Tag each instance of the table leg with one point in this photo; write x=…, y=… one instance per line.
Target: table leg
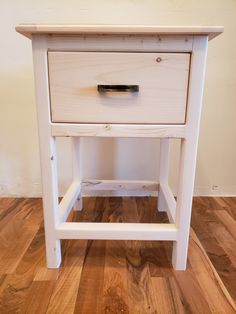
x=164, y=171
x=50, y=200
x=77, y=168
x=48, y=155
x=184, y=203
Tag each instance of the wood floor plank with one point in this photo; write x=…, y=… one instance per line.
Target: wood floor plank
x=231, y=201
x=209, y=230
x=89, y=294
x=206, y=203
x=91, y=283
x=218, y=298
x=3, y=282
x=156, y=253
x=147, y=211
x=191, y=294
x=118, y=276
x=93, y=209
x=65, y=290
x=222, y=201
x=8, y=208
x=232, y=211
x=37, y=298
x=225, y=239
x=141, y=296
x=6, y=203
x=223, y=264
x=140, y=291
x=229, y=204
x=158, y=256
x=13, y=296
x=228, y=222
x=46, y=274
x=167, y=296
x=200, y=219
x=14, y=242
x=114, y=298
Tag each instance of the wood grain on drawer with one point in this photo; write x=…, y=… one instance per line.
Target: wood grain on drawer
x=161, y=99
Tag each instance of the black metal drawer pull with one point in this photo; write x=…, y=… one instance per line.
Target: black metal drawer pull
x=118, y=88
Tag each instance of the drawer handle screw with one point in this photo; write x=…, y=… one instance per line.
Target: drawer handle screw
x=158, y=59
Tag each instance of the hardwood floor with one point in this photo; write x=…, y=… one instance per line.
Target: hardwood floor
x=118, y=276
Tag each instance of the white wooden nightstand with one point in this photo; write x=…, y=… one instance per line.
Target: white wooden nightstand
x=119, y=81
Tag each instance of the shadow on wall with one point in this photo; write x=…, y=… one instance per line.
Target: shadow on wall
x=127, y=159
x=19, y=161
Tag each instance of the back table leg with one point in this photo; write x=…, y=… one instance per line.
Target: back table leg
x=48, y=156
x=164, y=172
x=77, y=168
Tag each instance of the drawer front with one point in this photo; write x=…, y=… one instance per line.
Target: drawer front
x=156, y=91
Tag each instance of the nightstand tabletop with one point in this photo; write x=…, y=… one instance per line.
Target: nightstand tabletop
x=64, y=29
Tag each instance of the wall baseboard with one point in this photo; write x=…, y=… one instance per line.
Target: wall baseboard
x=224, y=191
x=110, y=188
x=22, y=189
x=90, y=188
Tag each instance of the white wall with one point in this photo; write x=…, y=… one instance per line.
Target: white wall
x=116, y=158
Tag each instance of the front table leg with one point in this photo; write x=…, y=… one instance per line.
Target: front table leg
x=189, y=152
x=48, y=156
x=184, y=203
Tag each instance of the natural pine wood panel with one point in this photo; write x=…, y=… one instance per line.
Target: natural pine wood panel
x=29, y=29
x=119, y=276
x=74, y=77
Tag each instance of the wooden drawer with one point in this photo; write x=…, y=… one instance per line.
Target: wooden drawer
x=162, y=79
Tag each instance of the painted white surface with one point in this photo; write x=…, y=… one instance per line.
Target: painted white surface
x=188, y=149
x=48, y=153
x=116, y=231
x=116, y=158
